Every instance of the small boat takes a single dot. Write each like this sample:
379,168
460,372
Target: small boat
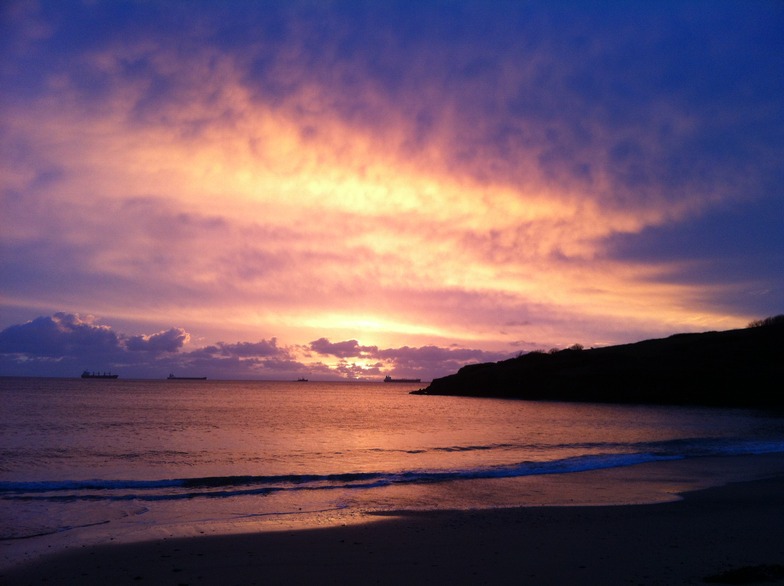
88,374
389,379
172,377
302,380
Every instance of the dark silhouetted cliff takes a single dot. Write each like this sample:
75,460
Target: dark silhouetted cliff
735,368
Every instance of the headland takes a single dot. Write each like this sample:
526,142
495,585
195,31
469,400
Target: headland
734,368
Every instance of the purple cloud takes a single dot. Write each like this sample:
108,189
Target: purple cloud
261,349
434,354
169,341
432,361
427,361
347,349
64,344
62,334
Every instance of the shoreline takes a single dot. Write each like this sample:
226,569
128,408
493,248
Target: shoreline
705,533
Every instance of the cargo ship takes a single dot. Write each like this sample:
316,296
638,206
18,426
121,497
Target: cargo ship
88,374
172,377
389,379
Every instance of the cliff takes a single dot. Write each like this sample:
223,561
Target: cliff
735,368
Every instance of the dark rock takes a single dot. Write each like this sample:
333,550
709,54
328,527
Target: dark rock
735,368
748,575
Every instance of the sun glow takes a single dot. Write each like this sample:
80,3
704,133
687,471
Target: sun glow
289,217
344,215
351,326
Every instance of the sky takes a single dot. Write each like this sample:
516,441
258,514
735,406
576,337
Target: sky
345,189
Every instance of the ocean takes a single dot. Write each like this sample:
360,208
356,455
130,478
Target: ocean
86,461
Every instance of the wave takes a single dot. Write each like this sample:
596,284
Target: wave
686,447
229,486
262,485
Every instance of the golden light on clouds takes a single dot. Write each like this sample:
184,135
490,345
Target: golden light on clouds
350,209
489,191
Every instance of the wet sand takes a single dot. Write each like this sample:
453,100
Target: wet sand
733,533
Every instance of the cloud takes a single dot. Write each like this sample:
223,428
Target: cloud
163,342
70,340
260,349
426,359
59,345
65,343
434,354
347,349
439,169
59,335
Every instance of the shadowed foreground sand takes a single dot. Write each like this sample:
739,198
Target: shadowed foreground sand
737,527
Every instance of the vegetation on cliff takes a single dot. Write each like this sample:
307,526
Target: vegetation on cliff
735,368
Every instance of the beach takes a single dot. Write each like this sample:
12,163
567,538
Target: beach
728,534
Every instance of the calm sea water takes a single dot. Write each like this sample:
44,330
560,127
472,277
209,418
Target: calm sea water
131,456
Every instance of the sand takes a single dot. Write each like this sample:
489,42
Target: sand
728,534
